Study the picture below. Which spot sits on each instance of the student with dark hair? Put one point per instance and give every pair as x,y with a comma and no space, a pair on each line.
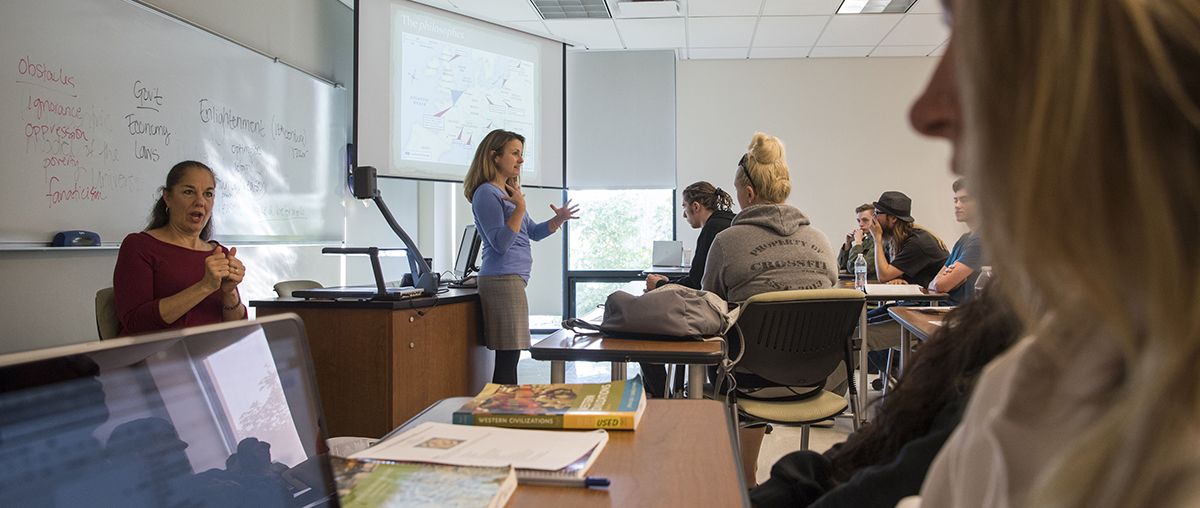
905,253
710,209
887,460
171,275
859,241
958,275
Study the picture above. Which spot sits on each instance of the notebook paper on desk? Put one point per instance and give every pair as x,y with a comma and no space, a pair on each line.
461,445
894,290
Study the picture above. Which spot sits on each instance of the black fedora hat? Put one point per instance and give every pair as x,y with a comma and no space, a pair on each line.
896,204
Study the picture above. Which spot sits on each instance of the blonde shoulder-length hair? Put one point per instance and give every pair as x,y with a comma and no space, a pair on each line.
483,165
1081,115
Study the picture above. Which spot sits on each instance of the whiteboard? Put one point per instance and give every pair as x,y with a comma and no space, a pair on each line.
99,98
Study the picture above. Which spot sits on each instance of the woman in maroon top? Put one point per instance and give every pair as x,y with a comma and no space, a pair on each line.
171,275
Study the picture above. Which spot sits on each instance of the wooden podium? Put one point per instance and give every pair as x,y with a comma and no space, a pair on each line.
380,363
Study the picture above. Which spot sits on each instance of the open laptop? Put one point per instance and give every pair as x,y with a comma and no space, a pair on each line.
667,253
219,415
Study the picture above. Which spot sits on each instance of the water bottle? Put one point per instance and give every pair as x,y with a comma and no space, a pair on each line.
860,273
985,275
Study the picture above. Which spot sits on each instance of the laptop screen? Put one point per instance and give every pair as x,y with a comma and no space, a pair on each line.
222,415
468,253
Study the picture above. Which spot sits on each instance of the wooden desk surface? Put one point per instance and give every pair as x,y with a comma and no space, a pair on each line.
919,321
565,345
682,454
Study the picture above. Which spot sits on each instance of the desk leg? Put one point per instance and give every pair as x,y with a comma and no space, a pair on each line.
863,386
558,372
618,371
696,375
905,348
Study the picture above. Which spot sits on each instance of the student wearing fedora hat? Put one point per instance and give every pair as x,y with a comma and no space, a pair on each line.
916,257
917,254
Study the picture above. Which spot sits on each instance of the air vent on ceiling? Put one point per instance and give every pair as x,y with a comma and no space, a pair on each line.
875,6
572,9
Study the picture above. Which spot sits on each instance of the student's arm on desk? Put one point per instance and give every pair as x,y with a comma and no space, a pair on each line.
950,278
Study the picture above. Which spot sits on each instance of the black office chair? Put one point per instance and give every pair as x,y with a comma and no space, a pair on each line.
797,339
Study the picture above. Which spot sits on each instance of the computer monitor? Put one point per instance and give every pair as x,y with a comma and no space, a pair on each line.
219,415
468,254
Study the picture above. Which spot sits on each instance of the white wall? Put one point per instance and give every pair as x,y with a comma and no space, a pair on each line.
844,123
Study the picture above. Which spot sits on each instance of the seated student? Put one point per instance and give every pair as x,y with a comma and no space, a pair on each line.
706,207
887,460
966,258
703,206
916,256
1087,174
859,241
771,246
171,275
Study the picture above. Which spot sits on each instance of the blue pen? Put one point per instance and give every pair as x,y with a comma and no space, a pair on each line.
587,482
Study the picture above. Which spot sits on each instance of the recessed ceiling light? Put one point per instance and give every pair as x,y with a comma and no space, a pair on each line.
875,6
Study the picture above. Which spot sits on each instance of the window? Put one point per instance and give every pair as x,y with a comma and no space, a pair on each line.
611,242
616,229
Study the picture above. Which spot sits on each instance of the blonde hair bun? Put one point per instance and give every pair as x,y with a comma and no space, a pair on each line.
766,149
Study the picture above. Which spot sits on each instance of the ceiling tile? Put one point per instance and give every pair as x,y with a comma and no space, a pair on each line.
841,51
778,52
502,10
590,33
941,50
926,6
719,32
789,31
800,7
918,30
723,7
652,33
903,50
717,53
536,27
858,29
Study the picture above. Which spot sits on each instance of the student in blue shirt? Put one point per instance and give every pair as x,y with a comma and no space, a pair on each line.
493,188
958,275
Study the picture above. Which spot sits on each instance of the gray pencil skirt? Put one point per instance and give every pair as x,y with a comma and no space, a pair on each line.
505,312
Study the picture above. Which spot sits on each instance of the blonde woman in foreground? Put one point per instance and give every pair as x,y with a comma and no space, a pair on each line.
1078,122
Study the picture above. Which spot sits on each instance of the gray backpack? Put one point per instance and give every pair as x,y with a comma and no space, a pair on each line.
669,312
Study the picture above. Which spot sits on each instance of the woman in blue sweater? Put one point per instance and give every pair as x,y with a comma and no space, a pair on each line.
493,188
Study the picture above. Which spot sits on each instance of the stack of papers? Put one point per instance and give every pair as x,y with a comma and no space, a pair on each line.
462,445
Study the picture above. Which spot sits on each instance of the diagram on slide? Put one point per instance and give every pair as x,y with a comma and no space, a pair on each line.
450,96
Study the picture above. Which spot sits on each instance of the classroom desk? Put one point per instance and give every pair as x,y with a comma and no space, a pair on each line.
926,296
567,346
920,322
683,453
379,363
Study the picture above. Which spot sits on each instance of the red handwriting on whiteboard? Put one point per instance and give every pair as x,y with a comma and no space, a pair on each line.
57,193
44,72
42,106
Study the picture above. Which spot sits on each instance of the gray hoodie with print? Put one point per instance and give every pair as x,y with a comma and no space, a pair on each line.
769,248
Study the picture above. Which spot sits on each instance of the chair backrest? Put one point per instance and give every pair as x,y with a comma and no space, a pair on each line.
284,289
107,324
797,338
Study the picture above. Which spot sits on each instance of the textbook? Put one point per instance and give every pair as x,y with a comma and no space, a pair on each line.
370,484
615,406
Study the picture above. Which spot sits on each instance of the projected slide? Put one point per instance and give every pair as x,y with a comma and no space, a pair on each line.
450,96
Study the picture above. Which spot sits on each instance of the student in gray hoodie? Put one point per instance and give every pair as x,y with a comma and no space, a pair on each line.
770,246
